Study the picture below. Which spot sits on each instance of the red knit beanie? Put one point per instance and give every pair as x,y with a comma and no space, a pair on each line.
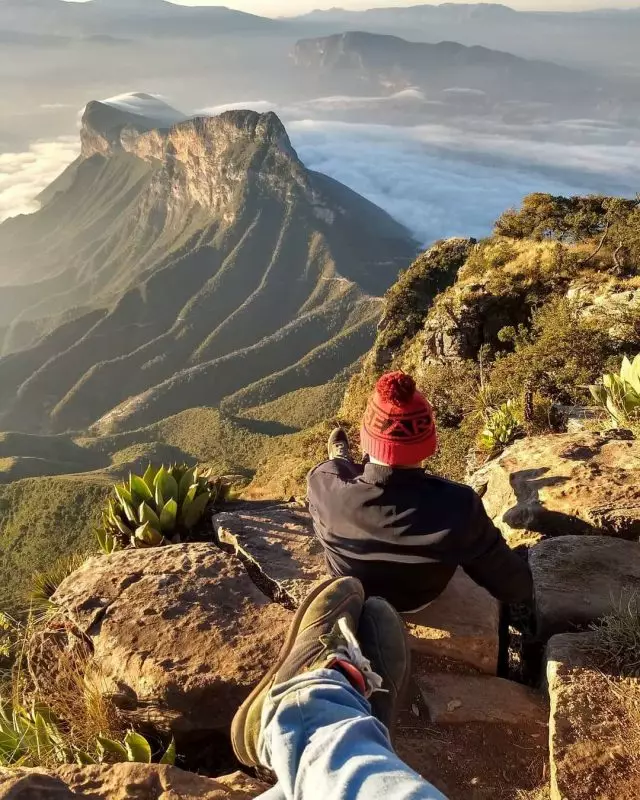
398,426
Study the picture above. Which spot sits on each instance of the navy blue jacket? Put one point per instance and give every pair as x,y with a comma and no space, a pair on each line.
404,533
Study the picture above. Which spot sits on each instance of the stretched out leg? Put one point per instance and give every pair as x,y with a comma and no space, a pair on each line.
309,719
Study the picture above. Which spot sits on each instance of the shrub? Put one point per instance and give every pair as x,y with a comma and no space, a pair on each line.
160,507
502,427
559,356
619,394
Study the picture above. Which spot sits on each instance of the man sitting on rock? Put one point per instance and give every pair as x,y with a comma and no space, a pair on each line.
400,531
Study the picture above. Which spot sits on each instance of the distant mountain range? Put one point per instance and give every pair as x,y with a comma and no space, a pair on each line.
457,12
179,262
363,61
605,39
125,18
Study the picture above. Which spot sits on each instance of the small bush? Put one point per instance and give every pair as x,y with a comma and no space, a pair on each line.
503,426
558,357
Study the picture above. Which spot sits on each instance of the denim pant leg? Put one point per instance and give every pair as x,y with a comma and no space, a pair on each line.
320,739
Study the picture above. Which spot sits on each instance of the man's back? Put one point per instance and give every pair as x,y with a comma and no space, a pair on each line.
403,533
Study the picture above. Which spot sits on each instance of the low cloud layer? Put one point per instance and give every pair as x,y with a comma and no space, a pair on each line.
442,180
24,175
439,180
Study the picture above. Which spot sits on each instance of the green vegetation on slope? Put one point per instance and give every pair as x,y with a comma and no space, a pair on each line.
537,312
41,520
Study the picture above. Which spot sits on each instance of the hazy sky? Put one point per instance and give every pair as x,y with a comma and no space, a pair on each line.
291,7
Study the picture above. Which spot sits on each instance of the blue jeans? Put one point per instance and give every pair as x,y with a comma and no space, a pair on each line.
320,739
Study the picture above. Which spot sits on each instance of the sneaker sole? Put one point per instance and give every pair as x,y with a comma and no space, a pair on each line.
239,721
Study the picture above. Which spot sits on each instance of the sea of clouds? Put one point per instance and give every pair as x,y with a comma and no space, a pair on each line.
439,180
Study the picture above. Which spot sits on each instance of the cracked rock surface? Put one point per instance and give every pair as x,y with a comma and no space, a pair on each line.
180,634
279,544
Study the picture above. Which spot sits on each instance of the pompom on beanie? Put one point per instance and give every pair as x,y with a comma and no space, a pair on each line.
398,427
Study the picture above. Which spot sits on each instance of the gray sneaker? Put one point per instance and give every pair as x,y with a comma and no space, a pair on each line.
383,638
338,445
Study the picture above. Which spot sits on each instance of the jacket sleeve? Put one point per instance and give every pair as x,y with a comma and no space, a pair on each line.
491,563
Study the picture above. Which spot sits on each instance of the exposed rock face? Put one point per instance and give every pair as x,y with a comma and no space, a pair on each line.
206,159
279,544
578,579
458,699
124,782
103,124
181,633
594,745
413,295
462,625
466,318
582,483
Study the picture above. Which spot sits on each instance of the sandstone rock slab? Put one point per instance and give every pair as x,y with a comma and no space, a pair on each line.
594,743
279,543
462,625
458,699
567,484
578,579
181,633
124,782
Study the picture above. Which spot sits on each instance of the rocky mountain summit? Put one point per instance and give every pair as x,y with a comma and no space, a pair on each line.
478,687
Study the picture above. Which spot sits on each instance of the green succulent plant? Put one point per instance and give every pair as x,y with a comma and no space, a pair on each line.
502,427
33,738
159,508
619,394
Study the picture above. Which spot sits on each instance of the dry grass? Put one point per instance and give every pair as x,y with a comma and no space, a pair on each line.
54,669
543,793
74,689
618,638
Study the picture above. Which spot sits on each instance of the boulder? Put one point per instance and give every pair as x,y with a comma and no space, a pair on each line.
461,625
278,544
459,699
124,781
578,579
593,731
180,635
568,484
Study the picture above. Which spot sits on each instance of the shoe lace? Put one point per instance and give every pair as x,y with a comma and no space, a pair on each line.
355,656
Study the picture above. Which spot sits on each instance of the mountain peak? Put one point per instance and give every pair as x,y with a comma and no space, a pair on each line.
104,121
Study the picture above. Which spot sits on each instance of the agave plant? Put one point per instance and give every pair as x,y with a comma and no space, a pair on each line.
502,427
158,508
135,747
620,394
33,738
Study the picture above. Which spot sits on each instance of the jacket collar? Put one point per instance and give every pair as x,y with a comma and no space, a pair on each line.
383,476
